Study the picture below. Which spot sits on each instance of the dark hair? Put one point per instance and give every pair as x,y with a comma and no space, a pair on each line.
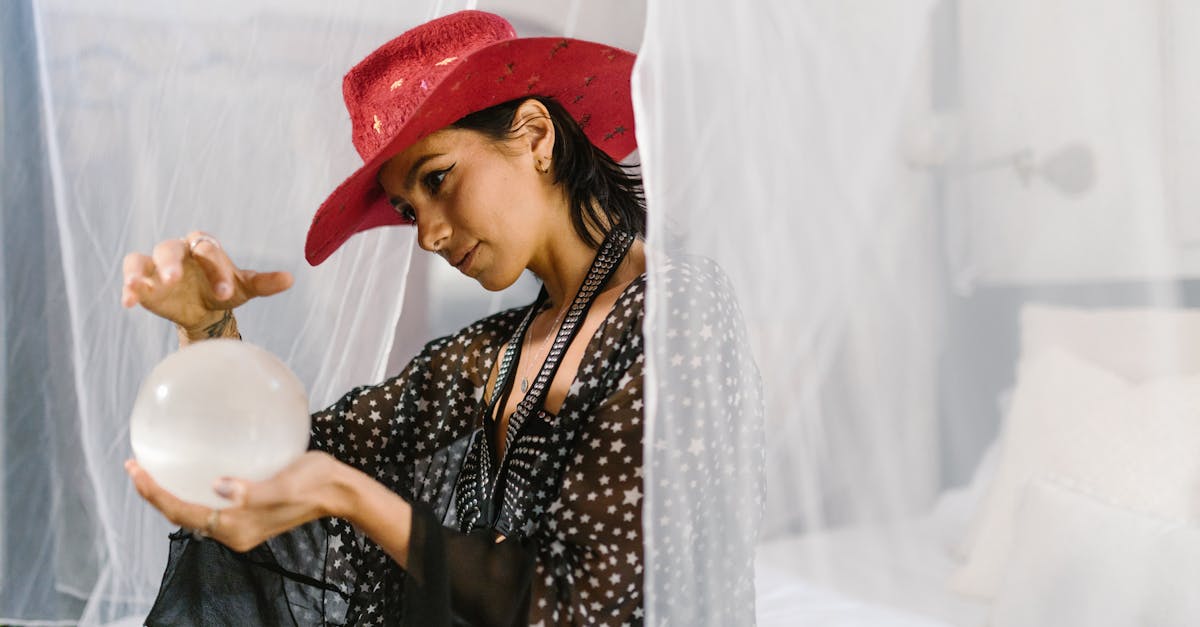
587,173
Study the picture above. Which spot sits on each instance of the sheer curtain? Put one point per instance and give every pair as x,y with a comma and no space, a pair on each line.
157,120
964,249
960,235
790,112
134,121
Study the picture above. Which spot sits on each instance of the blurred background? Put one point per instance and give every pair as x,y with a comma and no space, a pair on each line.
959,232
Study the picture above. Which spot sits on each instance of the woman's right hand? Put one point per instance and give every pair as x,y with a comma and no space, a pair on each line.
192,282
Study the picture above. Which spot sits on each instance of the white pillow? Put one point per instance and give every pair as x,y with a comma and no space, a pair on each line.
1139,445
1080,561
1135,344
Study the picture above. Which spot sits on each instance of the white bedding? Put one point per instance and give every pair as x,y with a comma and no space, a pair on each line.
880,576
786,600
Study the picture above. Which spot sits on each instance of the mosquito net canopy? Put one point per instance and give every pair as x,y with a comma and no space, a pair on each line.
957,233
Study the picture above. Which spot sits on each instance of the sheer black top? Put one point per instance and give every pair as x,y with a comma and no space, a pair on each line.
567,494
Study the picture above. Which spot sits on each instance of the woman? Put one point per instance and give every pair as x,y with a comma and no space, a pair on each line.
497,480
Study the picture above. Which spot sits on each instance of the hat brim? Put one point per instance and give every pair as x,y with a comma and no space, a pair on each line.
591,80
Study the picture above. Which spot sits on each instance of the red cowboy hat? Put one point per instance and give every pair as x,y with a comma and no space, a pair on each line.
443,70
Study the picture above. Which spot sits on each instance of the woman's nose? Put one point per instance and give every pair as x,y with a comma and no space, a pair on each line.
432,231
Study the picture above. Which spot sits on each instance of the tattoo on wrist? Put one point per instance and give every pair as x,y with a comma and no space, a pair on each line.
225,327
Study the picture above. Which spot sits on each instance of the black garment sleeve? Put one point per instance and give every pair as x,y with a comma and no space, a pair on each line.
206,583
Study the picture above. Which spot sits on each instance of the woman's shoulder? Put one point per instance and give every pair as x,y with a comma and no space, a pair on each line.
691,272
704,289
469,351
490,330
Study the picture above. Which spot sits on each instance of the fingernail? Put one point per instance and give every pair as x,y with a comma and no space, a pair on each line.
170,274
225,488
224,290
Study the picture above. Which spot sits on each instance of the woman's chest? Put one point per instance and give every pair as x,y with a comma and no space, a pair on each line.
580,360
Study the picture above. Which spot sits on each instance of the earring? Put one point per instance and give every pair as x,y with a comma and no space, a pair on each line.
544,166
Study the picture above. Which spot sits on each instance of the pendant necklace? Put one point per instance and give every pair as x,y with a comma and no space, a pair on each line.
546,342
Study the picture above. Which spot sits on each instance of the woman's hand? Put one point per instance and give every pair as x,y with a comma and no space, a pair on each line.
193,283
314,486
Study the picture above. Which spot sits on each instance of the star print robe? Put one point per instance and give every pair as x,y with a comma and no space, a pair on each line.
573,553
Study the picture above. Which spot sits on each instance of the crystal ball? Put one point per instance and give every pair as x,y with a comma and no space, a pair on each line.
218,408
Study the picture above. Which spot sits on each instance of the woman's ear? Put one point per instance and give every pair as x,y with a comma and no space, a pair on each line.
534,130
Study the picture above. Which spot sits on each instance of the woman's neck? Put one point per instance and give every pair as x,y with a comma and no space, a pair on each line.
564,264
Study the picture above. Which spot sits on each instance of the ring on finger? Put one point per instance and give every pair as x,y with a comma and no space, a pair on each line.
210,525
214,519
196,241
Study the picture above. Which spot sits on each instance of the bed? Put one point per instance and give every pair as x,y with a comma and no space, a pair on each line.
1085,510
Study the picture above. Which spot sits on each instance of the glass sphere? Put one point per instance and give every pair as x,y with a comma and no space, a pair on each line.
218,408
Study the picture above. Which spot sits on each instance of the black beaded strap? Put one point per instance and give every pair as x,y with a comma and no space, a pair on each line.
478,475
612,251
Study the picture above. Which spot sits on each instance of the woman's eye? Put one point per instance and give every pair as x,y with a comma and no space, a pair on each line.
433,180
404,209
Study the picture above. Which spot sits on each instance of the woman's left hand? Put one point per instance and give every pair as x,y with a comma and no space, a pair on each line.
305,490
